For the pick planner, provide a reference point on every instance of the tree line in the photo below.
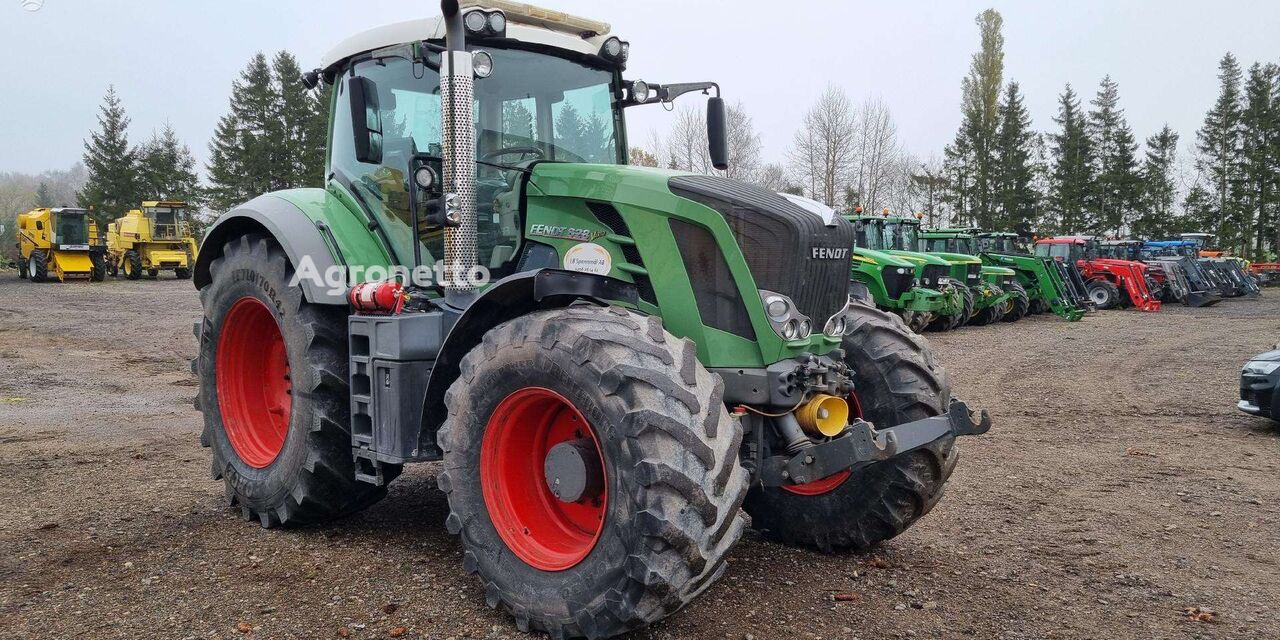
(273, 137)
(1088, 175)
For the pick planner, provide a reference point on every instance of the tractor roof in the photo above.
(177, 204)
(1118, 242)
(525, 23)
(1065, 240)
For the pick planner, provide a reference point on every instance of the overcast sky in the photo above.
(174, 61)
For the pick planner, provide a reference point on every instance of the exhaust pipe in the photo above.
(456, 91)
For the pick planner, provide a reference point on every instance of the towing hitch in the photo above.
(862, 445)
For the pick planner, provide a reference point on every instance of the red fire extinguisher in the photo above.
(378, 298)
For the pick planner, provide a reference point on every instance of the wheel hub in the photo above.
(543, 477)
(255, 391)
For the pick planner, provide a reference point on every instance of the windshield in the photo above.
(71, 228)
(899, 235)
(533, 107)
(166, 222)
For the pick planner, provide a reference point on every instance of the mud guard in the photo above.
(297, 234)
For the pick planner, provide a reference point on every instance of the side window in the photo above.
(1060, 250)
(408, 114)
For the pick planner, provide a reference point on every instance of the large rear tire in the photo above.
(967, 312)
(1019, 304)
(897, 380)
(274, 392)
(665, 510)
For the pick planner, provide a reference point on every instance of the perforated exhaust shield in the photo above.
(456, 91)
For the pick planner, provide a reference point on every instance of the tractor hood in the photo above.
(957, 258)
(919, 258)
(882, 258)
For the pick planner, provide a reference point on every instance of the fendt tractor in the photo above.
(1110, 283)
(890, 282)
(153, 238)
(59, 243)
(999, 297)
(894, 238)
(1049, 285)
(615, 364)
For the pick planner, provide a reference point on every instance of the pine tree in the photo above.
(517, 122)
(1013, 177)
(1258, 163)
(1073, 165)
(167, 170)
(292, 108)
(972, 157)
(1219, 145)
(241, 156)
(1117, 187)
(111, 188)
(44, 197)
(1159, 192)
(317, 135)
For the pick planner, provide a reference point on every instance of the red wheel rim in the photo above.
(541, 530)
(254, 389)
(829, 483)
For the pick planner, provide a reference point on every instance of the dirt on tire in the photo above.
(1119, 494)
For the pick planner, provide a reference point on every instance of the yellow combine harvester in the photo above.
(60, 243)
(154, 238)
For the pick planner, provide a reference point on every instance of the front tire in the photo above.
(99, 271)
(132, 265)
(897, 381)
(1019, 304)
(665, 511)
(274, 392)
(38, 266)
(1103, 294)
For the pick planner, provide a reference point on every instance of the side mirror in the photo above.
(366, 120)
(717, 134)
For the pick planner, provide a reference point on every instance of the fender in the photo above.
(288, 225)
(507, 299)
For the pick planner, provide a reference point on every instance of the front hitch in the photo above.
(862, 445)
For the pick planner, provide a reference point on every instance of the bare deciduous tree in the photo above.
(824, 149)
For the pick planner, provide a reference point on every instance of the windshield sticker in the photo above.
(588, 257)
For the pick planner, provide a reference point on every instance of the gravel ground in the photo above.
(1118, 489)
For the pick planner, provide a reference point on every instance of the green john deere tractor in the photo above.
(949, 298)
(615, 364)
(1038, 283)
(891, 282)
(998, 296)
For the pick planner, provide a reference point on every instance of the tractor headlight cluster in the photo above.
(840, 323)
(640, 91)
(491, 24)
(481, 63)
(787, 321)
(616, 50)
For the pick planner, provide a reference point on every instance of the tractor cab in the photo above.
(1121, 249)
(950, 241)
(1203, 243)
(1000, 242)
(167, 220)
(1069, 248)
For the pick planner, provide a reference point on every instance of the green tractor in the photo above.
(1039, 283)
(891, 282)
(875, 237)
(998, 297)
(615, 365)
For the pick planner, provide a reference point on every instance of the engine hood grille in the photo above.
(790, 250)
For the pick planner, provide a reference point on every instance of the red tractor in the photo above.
(1110, 282)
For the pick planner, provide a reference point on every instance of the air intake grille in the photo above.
(933, 274)
(609, 217)
(789, 250)
(719, 304)
(896, 284)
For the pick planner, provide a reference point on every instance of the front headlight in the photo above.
(786, 320)
(1261, 367)
(840, 323)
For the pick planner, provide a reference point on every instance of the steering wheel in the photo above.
(506, 151)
